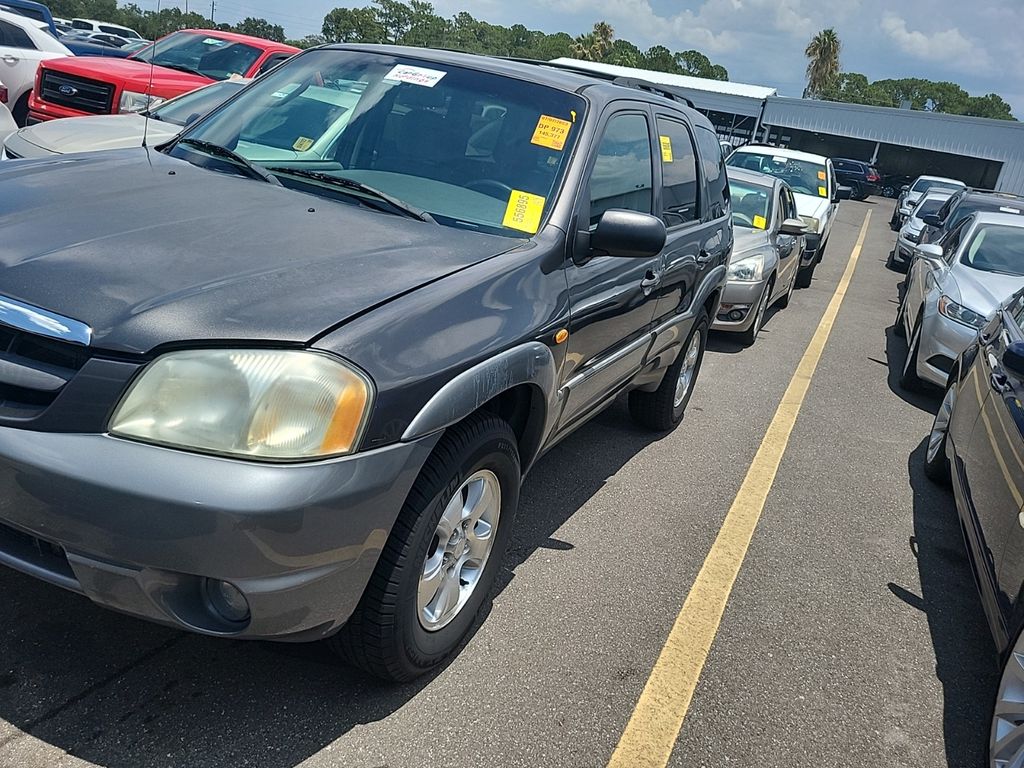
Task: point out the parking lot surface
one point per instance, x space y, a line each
852 637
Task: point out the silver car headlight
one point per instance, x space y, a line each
132 101
960 314
255 403
747 270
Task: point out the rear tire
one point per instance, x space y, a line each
387 635
663 409
804 275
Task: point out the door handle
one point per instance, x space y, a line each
703 257
650 281
8 59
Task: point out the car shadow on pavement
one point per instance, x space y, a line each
929 397
122 693
964 651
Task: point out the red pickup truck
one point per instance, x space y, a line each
176 64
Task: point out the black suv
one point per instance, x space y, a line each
284 377
863 178
963 204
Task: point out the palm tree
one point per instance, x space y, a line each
596 44
823 62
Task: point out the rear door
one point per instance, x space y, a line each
19 60
611 297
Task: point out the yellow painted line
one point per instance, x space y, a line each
654 726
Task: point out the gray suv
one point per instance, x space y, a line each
259 385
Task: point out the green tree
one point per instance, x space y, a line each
261 28
661 59
823 62
352 25
395 18
625 54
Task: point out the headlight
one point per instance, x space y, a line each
747 270
812 223
960 314
138 102
913 235
259 403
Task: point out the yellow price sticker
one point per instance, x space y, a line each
551 132
760 222
666 149
302 144
821 175
822 192
523 211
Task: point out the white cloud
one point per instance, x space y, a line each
947 45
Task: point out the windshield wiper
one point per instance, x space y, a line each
393 203
218 151
181 68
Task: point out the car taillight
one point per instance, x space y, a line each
3 94
873 176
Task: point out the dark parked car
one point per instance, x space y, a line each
891 184
963 204
863 178
257 394
977 442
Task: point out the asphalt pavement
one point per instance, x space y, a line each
853 635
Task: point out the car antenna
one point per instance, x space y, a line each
149 88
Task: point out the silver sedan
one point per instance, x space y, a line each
953 287
910 232
768 240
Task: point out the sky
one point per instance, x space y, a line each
975 43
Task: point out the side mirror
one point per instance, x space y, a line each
930 252
842 193
1013 358
628 234
192 118
793 227
905 188
932 220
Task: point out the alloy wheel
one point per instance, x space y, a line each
937 438
685 380
1006 741
458 553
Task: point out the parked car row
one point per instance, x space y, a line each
962 313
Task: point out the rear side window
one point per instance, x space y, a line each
622 175
678 172
712 163
81 24
15 37
840 165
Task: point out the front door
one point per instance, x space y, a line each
610 305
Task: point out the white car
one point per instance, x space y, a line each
815 189
22 46
910 232
953 288
910 194
91 25
91 134
7 124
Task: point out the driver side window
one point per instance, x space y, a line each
951 242
622 176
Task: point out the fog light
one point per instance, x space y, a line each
226 600
736 315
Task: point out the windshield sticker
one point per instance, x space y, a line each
523 212
822 192
302 144
551 132
780 159
214 41
821 175
1004 209
404 73
760 222
666 149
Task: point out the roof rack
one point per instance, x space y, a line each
666 91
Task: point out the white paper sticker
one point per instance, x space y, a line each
404 73
213 41
1004 209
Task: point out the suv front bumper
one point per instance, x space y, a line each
139 528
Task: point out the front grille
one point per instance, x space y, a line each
36 557
79 93
33 371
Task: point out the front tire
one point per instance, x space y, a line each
804 275
909 379
785 300
425 592
20 111
663 409
1007 729
936 462
749 336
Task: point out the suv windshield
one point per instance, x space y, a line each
996 248
923 185
751 204
472 149
805 177
931 205
197 103
204 54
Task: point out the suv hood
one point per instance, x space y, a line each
811 205
175 253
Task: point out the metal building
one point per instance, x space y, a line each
901 142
